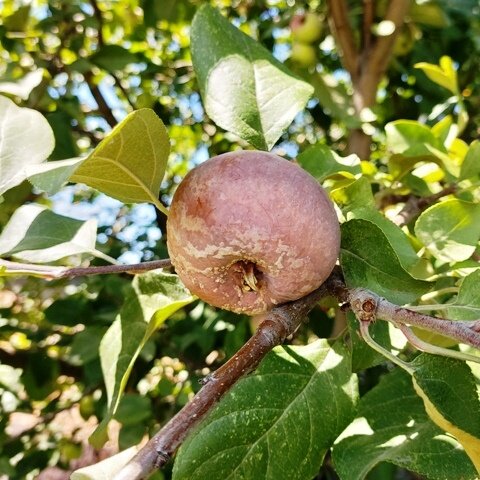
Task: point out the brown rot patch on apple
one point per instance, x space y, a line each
249 230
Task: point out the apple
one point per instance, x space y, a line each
306 27
303 54
248 230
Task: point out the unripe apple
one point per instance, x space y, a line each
248 230
306 27
303 54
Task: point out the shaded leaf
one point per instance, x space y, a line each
369 261
392 426
150 300
130 163
245 89
112 57
450 230
26 138
467 303
471 164
38 235
276 423
51 176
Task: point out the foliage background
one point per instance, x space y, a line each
86 64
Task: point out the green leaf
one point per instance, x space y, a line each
25 139
467 303
356 201
65 146
276 423
245 89
450 230
321 162
106 469
471 164
113 58
133 409
369 261
35 234
24 85
130 163
150 300
443 74
410 138
449 392
392 426
51 176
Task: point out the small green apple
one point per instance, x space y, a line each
306 27
303 54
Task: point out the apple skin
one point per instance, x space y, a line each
303 54
307 27
249 230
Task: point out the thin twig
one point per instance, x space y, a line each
53 272
278 325
416 205
98 15
103 106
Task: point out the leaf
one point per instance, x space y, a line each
245 89
467 303
106 469
37 235
447 388
113 58
23 86
392 426
130 163
443 74
410 138
321 162
369 261
25 139
276 423
51 176
471 164
450 230
356 201
150 300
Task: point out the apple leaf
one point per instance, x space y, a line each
276 423
321 163
106 469
467 303
245 89
443 74
471 164
130 163
448 390
151 299
35 234
26 138
450 230
392 426
51 176
369 261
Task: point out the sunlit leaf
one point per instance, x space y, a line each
276 423
23 86
447 388
467 303
392 426
450 230
25 139
471 163
245 89
35 234
106 469
151 299
443 74
130 163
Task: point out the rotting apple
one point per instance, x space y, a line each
248 230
